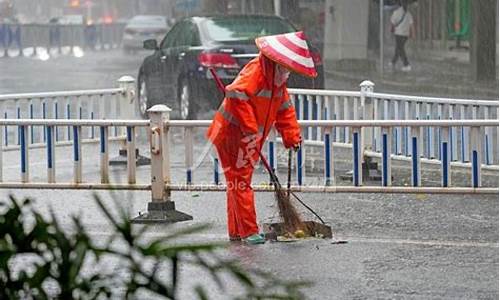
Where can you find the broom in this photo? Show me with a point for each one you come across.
(289, 215)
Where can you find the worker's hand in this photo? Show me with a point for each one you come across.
(296, 146)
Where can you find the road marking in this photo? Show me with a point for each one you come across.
(216, 236)
(425, 242)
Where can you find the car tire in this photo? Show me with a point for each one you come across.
(143, 102)
(187, 103)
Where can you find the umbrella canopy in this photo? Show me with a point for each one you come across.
(289, 50)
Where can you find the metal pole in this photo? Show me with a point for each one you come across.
(277, 7)
(381, 33)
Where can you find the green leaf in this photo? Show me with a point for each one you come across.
(41, 274)
(105, 211)
(241, 275)
(200, 291)
(80, 252)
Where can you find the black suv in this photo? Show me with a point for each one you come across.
(177, 73)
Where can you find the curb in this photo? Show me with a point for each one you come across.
(413, 87)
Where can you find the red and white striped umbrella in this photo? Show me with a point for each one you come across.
(289, 50)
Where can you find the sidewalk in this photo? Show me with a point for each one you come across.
(432, 74)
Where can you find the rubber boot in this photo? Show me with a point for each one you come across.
(255, 239)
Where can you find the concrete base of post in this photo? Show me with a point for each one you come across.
(161, 212)
(121, 159)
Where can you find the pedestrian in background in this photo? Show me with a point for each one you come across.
(402, 27)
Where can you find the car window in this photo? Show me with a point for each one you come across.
(170, 38)
(182, 36)
(157, 21)
(243, 28)
(187, 36)
(195, 36)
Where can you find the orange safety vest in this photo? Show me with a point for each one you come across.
(248, 104)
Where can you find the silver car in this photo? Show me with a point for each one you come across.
(141, 28)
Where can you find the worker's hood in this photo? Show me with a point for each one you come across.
(273, 72)
(281, 75)
(267, 66)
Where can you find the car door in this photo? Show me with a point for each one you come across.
(165, 60)
(179, 51)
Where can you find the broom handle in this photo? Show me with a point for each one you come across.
(268, 168)
(289, 184)
(218, 81)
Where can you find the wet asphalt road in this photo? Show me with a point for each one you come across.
(399, 246)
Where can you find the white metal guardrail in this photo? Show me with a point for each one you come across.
(327, 130)
(113, 103)
(118, 103)
(159, 127)
(19, 37)
(50, 127)
(368, 105)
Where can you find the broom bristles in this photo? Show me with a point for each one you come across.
(289, 215)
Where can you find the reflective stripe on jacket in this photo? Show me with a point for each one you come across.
(247, 105)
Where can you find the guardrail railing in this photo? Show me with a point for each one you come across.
(327, 131)
(55, 36)
(113, 103)
(50, 127)
(368, 105)
(161, 183)
(160, 125)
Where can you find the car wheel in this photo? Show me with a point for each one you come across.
(142, 96)
(186, 101)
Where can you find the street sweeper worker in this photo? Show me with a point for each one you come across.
(256, 101)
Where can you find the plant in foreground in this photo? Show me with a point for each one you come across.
(40, 260)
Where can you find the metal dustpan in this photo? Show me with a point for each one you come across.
(313, 229)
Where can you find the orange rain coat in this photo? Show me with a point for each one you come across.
(237, 132)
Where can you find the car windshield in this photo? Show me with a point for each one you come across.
(243, 28)
(148, 21)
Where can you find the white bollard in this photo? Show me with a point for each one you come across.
(127, 103)
(161, 209)
(160, 156)
(367, 113)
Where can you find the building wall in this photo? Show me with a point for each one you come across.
(346, 30)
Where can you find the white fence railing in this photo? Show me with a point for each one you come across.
(19, 37)
(119, 103)
(368, 105)
(327, 131)
(159, 127)
(161, 183)
(102, 104)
